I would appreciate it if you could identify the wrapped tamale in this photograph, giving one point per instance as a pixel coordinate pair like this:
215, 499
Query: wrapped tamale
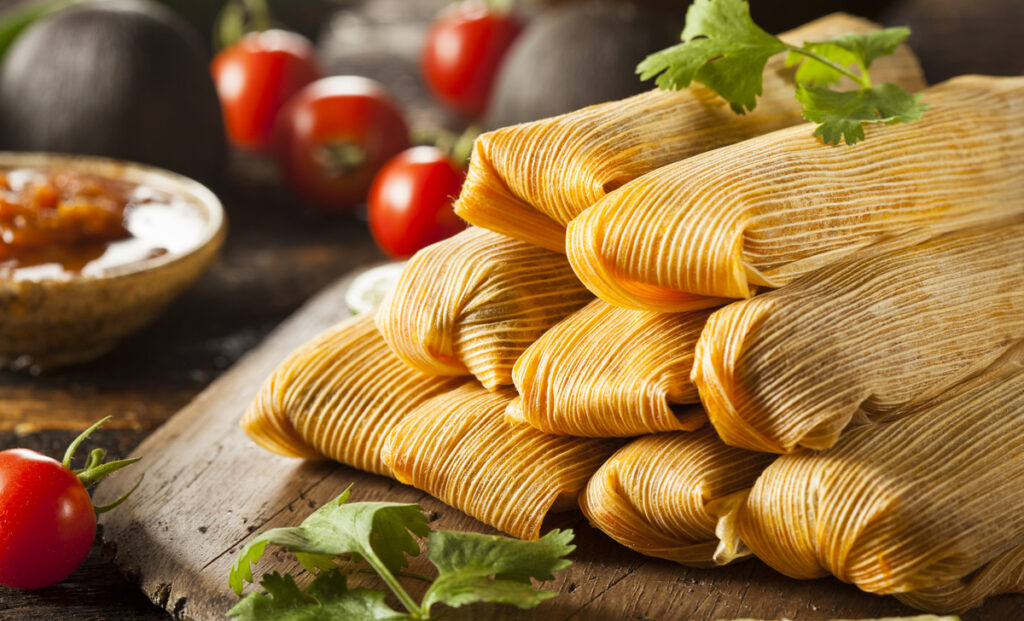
765, 211
664, 494
1004, 574
338, 396
458, 447
528, 181
909, 505
861, 338
606, 371
472, 303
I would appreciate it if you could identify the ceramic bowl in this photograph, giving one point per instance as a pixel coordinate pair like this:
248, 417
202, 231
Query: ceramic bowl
55, 320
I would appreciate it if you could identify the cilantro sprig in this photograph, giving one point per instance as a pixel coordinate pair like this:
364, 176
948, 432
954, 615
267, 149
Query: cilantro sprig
726, 51
471, 567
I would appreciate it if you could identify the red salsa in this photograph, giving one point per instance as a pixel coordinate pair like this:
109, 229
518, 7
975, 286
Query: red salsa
59, 216
57, 223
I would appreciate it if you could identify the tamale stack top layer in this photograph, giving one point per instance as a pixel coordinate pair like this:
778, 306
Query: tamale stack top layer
861, 338
662, 495
528, 181
764, 211
906, 505
458, 448
474, 302
606, 371
338, 396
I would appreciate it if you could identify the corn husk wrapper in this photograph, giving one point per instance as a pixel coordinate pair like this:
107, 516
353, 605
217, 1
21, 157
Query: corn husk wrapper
663, 495
528, 181
606, 371
860, 339
338, 396
907, 505
1004, 574
473, 303
765, 211
458, 448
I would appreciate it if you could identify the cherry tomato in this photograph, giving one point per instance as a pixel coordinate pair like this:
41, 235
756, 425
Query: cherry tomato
411, 201
47, 518
255, 77
464, 48
333, 137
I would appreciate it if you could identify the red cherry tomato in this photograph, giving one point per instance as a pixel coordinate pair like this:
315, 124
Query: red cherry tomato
255, 77
464, 48
48, 522
411, 201
333, 137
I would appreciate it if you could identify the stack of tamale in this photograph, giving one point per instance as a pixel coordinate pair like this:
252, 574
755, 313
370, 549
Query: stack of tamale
807, 353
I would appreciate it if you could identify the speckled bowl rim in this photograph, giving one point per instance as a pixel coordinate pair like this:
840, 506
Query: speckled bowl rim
215, 221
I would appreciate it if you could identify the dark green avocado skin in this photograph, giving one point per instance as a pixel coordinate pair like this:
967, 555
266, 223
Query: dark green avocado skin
577, 55
126, 79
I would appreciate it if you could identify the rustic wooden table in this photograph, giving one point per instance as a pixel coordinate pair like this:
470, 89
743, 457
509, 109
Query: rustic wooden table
279, 253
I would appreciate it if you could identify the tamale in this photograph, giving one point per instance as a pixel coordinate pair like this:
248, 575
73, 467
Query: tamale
528, 181
907, 505
861, 338
472, 303
606, 371
338, 396
663, 495
765, 211
458, 447
1004, 574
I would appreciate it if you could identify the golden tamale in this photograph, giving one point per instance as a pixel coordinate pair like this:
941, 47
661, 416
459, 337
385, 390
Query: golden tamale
908, 505
765, 211
338, 396
472, 303
663, 494
861, 338
1004, 574
606, 371
458, 448
528, 181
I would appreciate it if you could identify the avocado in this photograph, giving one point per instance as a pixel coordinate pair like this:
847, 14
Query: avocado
577, 55
126, 79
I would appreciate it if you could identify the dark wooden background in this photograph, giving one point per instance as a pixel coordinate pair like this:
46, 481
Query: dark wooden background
279, 253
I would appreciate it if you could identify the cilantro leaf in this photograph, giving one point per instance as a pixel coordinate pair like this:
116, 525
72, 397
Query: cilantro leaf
870, 46
726, 51
813, 72
854, 48
472, 567
840, 114
722, 48
485, 568
376, 531
327, 597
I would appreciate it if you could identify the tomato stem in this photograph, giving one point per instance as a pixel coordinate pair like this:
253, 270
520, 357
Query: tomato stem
124, 497
339, 159
68, 454
95, 470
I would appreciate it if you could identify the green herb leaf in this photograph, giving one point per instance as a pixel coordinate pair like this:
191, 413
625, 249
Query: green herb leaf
472, 567
813, 72
722, 48
376, 531
726, 51
870, 46
485, 568
327, 597
841, 114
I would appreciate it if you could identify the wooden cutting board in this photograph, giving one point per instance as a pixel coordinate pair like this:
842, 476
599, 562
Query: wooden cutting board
208, 490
